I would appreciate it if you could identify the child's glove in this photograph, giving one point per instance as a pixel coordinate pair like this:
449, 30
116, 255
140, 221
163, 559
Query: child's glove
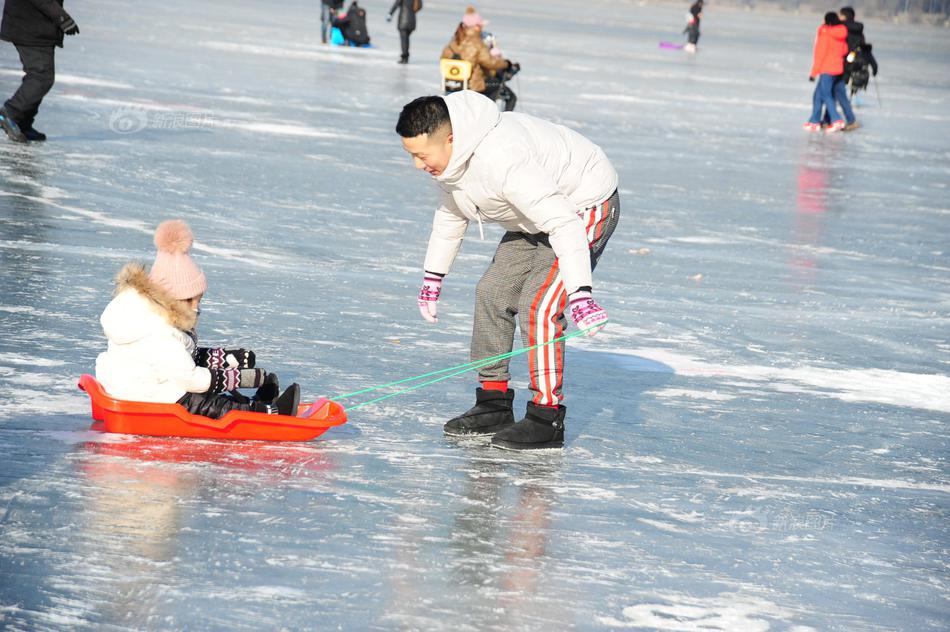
223, 380
216, 358
586, 313
428, 295
240, 358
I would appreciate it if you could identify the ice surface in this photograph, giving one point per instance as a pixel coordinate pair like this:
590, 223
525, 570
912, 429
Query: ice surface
758, 441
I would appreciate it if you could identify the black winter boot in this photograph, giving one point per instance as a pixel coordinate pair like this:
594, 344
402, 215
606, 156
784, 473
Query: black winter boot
491, 413
541, 428
32, 134
288, 403
269, 390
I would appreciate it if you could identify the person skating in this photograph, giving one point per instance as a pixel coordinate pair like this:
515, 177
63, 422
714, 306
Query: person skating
153, 354
828, 65
405, 23
35, 28
692, 26
555, 192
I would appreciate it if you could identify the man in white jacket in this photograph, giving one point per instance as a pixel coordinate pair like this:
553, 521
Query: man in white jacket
555, 192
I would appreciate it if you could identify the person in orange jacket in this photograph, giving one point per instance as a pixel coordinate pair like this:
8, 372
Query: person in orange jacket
828, 63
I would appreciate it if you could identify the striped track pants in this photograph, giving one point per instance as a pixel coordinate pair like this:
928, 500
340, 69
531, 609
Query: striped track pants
524, 281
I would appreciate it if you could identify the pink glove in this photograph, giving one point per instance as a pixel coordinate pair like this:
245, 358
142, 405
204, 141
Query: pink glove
587, 314
428, 295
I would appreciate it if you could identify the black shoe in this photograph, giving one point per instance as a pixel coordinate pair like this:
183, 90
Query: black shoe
542, 428
32, 134
269, 389
10, 126
288, 403
403, 60
491, 413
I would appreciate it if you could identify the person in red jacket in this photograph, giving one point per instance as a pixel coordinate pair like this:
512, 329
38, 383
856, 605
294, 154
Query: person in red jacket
828, 63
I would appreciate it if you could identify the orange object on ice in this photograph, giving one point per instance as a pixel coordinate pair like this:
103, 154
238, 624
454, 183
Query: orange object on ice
172, 420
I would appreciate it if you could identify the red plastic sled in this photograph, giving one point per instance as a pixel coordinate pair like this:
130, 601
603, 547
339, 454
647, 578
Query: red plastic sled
172, 420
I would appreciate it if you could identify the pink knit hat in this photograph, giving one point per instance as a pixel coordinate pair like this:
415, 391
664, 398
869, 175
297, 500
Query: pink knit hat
173, 268
473, 19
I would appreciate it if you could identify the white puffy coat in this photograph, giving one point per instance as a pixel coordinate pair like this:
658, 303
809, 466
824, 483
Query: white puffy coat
527, 174
149, 356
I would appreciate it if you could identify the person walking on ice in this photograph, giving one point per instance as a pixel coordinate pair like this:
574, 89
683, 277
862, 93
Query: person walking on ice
555, 192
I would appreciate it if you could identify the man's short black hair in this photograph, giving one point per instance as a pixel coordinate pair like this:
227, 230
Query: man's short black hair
424, 115
848, 13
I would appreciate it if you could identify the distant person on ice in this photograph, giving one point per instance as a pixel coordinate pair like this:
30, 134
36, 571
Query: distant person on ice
555, 192
153, 353
352, 25
827, 66
860, 57
328, 11
467, 44
405, 23
36, 28
692, 26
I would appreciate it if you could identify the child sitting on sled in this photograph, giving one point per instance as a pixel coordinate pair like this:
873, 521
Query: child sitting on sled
153, 353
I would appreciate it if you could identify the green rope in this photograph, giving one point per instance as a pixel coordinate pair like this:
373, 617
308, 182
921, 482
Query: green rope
451, 372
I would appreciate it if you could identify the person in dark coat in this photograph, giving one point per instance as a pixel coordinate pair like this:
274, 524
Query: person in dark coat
328, 12
353, 26
692, 26
406, 23
36, 28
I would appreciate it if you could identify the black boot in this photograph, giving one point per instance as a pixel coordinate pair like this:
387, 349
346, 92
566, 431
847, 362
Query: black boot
9, 125
269, 390
288, 403
541, 428
491, 413
32, 134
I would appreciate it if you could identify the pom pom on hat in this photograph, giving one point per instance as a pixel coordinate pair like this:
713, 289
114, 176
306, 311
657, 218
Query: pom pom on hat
174, 236
173, 268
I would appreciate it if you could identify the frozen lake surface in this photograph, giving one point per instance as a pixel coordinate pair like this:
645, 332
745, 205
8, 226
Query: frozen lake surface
758, 441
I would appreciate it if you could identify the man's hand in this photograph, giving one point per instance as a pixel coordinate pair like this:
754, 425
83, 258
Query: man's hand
586, 313
428, 295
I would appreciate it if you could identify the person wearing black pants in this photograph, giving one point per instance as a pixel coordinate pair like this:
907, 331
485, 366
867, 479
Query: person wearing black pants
406, 23
36, 28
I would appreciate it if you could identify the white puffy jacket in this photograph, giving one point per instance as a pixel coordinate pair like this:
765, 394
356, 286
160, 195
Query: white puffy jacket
527, 174
149, 355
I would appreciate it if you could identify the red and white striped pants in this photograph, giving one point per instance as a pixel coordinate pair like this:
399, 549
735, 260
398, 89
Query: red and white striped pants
524, 281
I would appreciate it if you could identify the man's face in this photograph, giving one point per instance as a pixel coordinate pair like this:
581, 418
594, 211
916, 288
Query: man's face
431, 152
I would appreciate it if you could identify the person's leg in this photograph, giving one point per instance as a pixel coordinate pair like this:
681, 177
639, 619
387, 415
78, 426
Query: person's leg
213, 405
216, 405
493, 332
840, 92
404, 43
40, 74
324, 14
496, 303
542, 320
825, 93
816, 105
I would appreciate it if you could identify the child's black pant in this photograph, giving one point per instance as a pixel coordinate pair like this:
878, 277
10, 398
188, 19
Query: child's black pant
38, 64
213, 405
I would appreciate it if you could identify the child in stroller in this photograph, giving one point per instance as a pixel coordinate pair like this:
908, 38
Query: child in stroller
480, 65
